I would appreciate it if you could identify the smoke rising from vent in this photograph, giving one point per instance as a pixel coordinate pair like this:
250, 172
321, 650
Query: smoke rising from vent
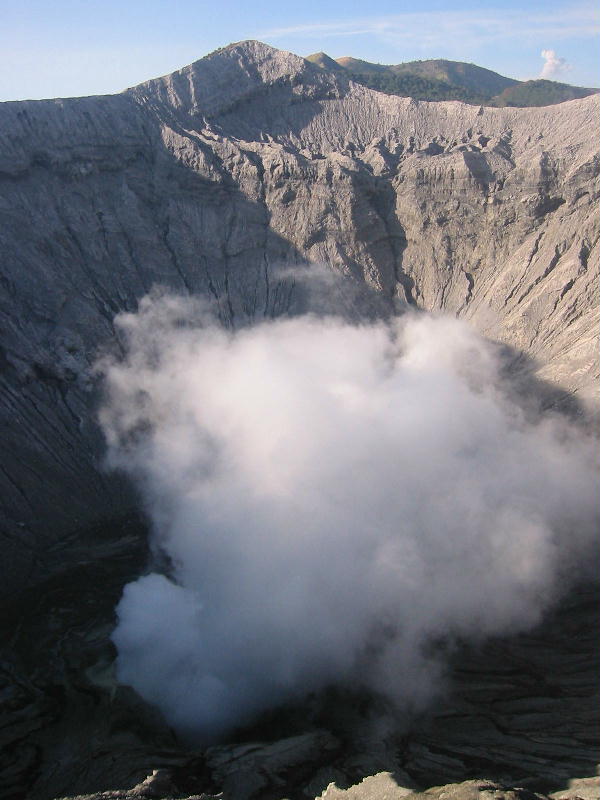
554, 66
331, 499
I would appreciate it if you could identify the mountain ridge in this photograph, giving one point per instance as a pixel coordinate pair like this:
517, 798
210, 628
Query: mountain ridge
441, 79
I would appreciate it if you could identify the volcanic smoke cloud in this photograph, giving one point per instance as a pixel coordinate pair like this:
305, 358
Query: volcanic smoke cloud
554, 66
332, 498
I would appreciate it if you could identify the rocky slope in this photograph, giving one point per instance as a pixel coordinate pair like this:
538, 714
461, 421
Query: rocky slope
522, 713
216, 180
382, 786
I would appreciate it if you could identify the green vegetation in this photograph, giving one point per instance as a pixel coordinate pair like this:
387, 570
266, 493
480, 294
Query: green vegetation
438, 79
325, 62
458, 74
356, 65
409, 85
540, 93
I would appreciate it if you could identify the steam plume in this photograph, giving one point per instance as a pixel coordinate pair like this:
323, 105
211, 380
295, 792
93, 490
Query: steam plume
554, 66
332, 498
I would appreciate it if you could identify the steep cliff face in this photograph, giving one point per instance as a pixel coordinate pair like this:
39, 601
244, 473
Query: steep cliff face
216, 180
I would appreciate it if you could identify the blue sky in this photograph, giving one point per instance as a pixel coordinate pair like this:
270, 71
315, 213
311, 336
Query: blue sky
62, 48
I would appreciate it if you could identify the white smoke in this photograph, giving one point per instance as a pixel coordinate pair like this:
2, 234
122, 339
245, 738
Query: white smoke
332, 498
554, 66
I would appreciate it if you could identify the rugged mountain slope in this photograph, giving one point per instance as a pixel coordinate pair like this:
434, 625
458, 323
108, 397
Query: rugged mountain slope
216, 180
212, 179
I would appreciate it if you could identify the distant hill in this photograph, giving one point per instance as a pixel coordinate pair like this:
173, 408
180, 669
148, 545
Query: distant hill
458, 73
410, 85
356, 65
439, 79
326, 62
541, 93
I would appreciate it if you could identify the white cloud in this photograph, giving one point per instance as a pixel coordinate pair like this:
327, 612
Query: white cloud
554, 66
332, 498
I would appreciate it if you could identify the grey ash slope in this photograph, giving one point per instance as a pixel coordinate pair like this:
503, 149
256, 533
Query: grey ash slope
215, 180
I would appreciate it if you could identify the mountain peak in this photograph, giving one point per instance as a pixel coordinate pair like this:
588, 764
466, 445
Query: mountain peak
324, 61
228, 76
